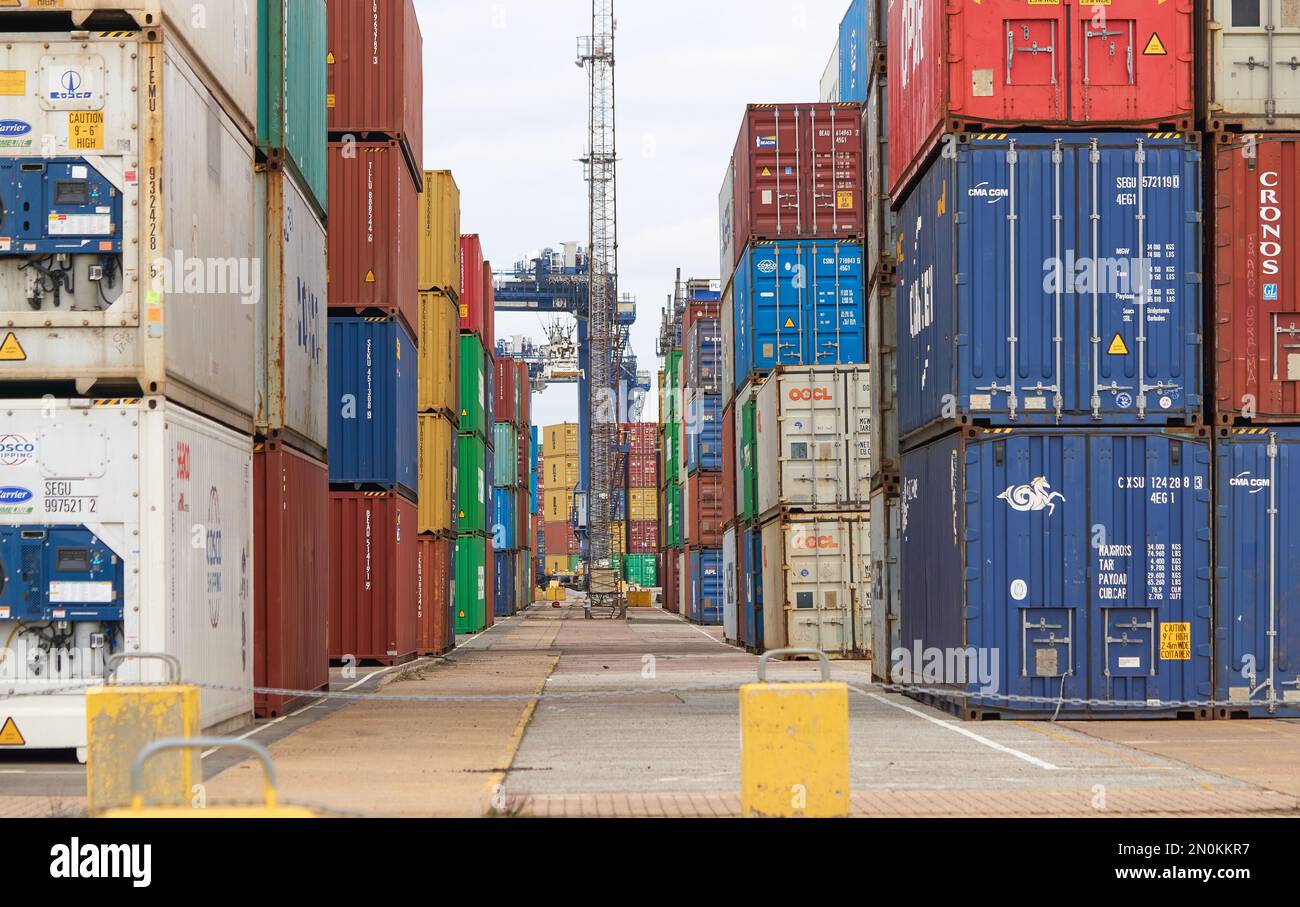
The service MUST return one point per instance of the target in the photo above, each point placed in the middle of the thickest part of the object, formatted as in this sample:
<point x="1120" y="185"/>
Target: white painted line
<point x="958" y="729"/>
<point x="28" y="771"/>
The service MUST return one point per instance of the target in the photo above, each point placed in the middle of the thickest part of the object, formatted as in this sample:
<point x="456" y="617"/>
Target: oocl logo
<point x="15" y="450"/>
<point x="815" y="542"/>
<point x="809" y="394"/>
<point x="70" y="84"/>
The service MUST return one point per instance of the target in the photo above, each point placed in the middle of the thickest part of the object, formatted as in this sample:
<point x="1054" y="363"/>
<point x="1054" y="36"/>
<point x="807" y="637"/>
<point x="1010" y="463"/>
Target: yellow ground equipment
<point x="794" y="745"/>
<point x="268" y="809"/>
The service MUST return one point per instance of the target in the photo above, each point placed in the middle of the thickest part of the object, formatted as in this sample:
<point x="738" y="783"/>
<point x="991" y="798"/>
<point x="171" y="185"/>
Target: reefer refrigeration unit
<point x="1052" y="279"/>
<point x="1058" y="564"/>
<point x="125" y="526"/>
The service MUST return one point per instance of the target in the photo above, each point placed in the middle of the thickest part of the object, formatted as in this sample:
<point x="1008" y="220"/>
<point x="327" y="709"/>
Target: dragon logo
<point x="1037" y="495"/>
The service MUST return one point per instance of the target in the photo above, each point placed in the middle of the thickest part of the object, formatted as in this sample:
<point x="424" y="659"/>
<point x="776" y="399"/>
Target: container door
<point x="773" y="563"/>
<point x="729" y="598"/>
<point x="858" y="408"/>
<point x="1258" y="653"/>
<point x="1132" y="64"/>
<point x="817" y="586"/>
<point x="778" y="203"/>
<point x="860" y="588"/>
<point x="754" y="589"/>
<point x="1140" y="307"/>
<point x="1012" y="62"/>
<point x="834" y="189"/>
<point x="835" y="329"/>
<point x="810" y="434"/>
<point x="780" y="302"/>
<point x="1255" y="60"/>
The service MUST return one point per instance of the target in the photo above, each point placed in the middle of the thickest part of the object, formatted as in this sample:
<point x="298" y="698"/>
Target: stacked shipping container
<point x="558" y="481"/>
<point x="181" y="410"/>
<point x="381" y="568"/>
<point x="637" y="545"/>
<point x="796" y="423"/>
<point x="513" y="457"/>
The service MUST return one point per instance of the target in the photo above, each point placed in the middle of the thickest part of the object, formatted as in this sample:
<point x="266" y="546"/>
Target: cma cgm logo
<point x="913" y="42"/>
<point x="70" y="84"/>
<point x="13" y="128"/>
<point x="806" y="394"/>
<point x="15" y="450"/>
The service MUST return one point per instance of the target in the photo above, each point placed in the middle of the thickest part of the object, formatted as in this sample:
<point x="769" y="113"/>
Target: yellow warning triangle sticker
<point x="11" y="350"/>
<point x="789" y="323"/>
<point x="10" y="736"/>
<point x="766" y="172"/>
<point x="329" y="58"/>
<point x="370" y="277"/>
<point x="1118" y="347"/>
<point x="1155" y="47"/>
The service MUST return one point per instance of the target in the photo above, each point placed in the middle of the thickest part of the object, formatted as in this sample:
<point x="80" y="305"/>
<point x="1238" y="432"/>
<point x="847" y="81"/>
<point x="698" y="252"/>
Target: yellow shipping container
<point x="437" y="439"/>
<point x="560" y="473"/>
<point x="440" y="233"/>
<point x="557" y="565"/>
<point x="560" y="440"/>
<point x="439" y="343"/>
<point x="644" y="504"/>
<point x="559" y="504"/>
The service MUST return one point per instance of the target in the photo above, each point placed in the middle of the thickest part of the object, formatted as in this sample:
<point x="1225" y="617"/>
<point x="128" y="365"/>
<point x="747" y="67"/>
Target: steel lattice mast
<point x="596" y="54"/>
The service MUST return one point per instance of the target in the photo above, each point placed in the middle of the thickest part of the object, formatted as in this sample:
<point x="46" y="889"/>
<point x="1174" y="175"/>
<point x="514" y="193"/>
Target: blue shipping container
<point x="706" y="586"/>
<point x="532" y="471"/>
<point x="1063" y="564"/>
<point x="703" y="432"/>
<point x="797" y="303"/>
<point x="503" y="585"/>
<point x="1015" y="302"/>
<point x="504" y="530"/>
<point x="856" y="53"/>
<point x="703" y="354"/>
<point x="1257" y="575"/>
<point x="373" y="425"/>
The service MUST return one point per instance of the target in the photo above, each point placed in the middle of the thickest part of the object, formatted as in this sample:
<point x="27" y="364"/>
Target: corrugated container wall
<point x="1011" y="335"/>
<point x="798" y="173"/>
<point x="704" y="355"/>
<point x="1257" y="272"/>
<point x="435" y="581"/>
<point x="797" y="303"/>
<point x="1252" y="78"/>
<point x="505" y="391"/>
<point x="439" y="350"/>
<point x="291" y="576"/>
<point x="702" y="510"/>
<point x="1257" y="630"/>
<point x="373" y="236"/>
<point x="292" y="341"/>
<point x="376" y="82"/>
<point x="729" y="598"/>
<point x="703" y="428"/>
<point x="473" y="584"/>
<point x="437" y="489"/>
<point x="373" y="404"/>
<point x="292" y="105"/>
<point x="959" y="65"/>
<point x="881" y="231"/>
<point x="812" y="436"/>
<point x="440" y="233"/>
<point x="472" y="485"/>
<point x="474" y="400"/>
<point x="749" y="603"/>
<point x="856" y="51"/>
<point x="1083" y="558"/>
<point x="373" y="597"/>
<point x="505" y="451"/>
<point x="201" y="207"/>
<point x="886" y="629"/>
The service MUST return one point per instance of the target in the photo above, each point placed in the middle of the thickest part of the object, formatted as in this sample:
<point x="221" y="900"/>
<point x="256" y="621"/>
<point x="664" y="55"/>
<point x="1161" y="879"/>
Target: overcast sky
<point x="505" y="110"/>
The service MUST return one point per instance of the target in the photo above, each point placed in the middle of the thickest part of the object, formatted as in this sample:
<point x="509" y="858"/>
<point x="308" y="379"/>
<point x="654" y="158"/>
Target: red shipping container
<point x="525" y="400"/>
<point x="521" y="520"/>
<point x="696" y="310"/>
<point x="373" y="263"/>
<point x="376" y="75"/>
<point x="643" y="470"/>
<point x="490" y="592"/>
<point x="489" y="307"/>
<point x="372" y="589"/>
<point x="702" y="516"/>
<point x="959" y="65"/>
<point x="435" y="584"/>
<point x="799" y="174"/>
<point x="728" y="465"/>
<point x="1256" y="298"/>
<point x="643" y="536"/>
<point x="291" y="575"/>
<point x="668" y="583"/>
<point x="561" y="540"/>
<point x="471" y="286"/>
<point x="506" y="391"/>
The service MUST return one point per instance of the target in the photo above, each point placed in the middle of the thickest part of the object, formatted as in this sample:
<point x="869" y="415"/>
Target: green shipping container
<point x="672" y="407"/>
<point x="672" y="452"/>
<point x="471" y="583"/>
<point x="641" y="570"/>
<point x="524" y="580"/>
<point x="473" y="387"/>
<point x="505" y="455"/>
<point x="747" y="469"/>
<point x="673" y="516"/>
<point x="291" y="90"/>
<point x="474" y="510"/>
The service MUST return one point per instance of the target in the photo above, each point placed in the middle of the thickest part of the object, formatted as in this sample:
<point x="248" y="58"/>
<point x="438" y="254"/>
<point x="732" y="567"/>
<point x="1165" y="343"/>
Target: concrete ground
<point x="653" y="730"/>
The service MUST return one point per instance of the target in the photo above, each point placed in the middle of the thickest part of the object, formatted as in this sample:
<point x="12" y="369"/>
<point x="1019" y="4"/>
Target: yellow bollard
<point x="268" y="809"/>
<point x="794" y="745"/>
<point x="122" y="719"/>
<point x="640" y="598"/>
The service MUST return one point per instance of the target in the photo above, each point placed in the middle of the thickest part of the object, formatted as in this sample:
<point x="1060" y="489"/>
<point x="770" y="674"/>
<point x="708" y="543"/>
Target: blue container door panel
<point x="503" y="585"/>
<point x="777" y="304"/>
<point x="931" y="565"/>
<point x="838" y="331"/>
<point x="706" y="586"/>
<point x="753" y="589"/>
<point x="704" y="433"/>
<point x="1259" y="571"/>
<point x="503" y="520"/>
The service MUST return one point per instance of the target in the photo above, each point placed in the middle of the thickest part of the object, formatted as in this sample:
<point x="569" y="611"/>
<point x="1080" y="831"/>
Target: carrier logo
<point x="15" y="500"/>
<point x="1037" y="495"/>
<point x="1246" y="480"/>
<point x="70" y="83"/>
<point x="11" y="129"/>
<point x="15" y="450"/>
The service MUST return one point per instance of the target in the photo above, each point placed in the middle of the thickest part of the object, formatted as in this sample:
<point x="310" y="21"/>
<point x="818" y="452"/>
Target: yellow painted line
<point x="1105" y="752"/>
<point x="498" y="776"/>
